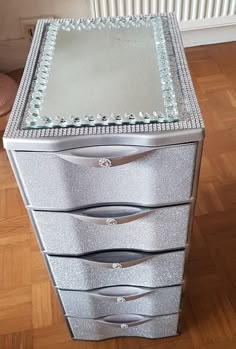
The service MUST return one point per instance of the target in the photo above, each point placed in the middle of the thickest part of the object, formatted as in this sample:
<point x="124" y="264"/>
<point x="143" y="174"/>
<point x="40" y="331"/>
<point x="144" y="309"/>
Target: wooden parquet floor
<point x="30" y="316"/>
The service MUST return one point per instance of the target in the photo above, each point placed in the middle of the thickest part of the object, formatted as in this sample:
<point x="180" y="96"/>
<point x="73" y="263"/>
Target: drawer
<point x="117" y="268"/>
<point x="76" y="178"/>
<point x="124" y="325"/>
<point x="112" y="227"/>
<point x="121" y="300"/>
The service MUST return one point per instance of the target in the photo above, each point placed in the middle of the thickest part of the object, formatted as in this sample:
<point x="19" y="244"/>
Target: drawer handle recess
<point x="93" y="215"/>
<point x="104" y="156"/>
<point x="123" y="298"/>
<point x="132" y="297"/>
<point x="124" y="325"/>
<point x="117" y="266"/>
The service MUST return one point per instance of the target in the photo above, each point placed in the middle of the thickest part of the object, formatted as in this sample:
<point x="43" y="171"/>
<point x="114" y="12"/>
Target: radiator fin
<point x="185" y="10"/>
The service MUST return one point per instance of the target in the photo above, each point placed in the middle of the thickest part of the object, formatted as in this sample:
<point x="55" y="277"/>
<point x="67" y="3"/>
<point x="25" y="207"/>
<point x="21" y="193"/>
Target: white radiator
<point x="201" y="21"/>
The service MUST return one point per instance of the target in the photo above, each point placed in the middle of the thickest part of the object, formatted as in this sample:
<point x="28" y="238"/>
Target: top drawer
<point x="106" y="174"/>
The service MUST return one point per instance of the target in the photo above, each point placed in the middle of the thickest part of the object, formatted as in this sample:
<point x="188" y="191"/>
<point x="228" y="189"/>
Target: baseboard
<point x="207" y="36"/>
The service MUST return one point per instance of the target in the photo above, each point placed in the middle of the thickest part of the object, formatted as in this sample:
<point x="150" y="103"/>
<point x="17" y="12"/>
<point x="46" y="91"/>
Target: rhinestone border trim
<point x="171" y="31"/>
<point x="32" y="117"/>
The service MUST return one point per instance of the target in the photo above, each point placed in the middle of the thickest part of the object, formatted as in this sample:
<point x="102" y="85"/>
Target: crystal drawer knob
<point x="116" y="266"/>
<point x="124" y="326"/>
<point x="111" y="221"/>
<point x="105" y="162"/>
<point x="120" y="299"/>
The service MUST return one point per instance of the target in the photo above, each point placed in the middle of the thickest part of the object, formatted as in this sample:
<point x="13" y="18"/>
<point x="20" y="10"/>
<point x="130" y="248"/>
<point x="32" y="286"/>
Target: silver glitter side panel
<point x="156" y="327"/>
<point x="64" y="233"/>
<point x="90" y="305"/>
<point x="79" y="274"/>
<point x="160" y="177"/>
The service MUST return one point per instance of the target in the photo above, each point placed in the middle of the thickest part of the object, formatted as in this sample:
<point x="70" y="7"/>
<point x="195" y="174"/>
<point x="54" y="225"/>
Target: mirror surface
<point x="104" y="71"/>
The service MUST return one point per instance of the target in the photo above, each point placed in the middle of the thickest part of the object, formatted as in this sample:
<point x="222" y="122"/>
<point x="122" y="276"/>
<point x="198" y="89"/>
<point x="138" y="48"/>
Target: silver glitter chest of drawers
<point x="105" y="140"/>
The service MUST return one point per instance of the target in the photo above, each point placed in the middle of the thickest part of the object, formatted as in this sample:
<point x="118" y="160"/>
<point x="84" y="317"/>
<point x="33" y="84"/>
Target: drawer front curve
<point x="158" y="270"/>
<point x="67" y="233"/>
<point x="156" y="178"/>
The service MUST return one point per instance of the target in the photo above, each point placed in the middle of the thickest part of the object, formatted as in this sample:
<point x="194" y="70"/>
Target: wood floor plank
<point x="18" y="340"/>
<point x="41" y="304"/>
<point x="15" y="268"/>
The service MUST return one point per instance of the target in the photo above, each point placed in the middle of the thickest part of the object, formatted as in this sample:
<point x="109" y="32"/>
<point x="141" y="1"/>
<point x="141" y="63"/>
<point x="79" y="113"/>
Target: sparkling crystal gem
<point x="35" y="103"/>
<point x="46" y="64"/>
<point x="124" y="326"/>
<point x="72" y="26"/>
<point x="116" y="266"/>
<point x="32" y="124"/>
<point x="117" y="118"/>
<point x="47" y="57"/>
<point x="147" y="116"/>
<point x="90" y="118"/>
<point x="173" y="114"/>
<point x="29" y="119"/>
<point x="120" y="299"/>
<point x="43" y="76"/>
<point x="105" y="162"/>
<point x="37" y="95"/>
<point x="76" y="121"/>
<point x="170" y="106"/>
<point x="48" y="121"/>
<point x="131" y="117"/>
<point x="49" y="48"/>
<point x="103" y="118"/>
<point x="161" y="117"/>
<point x="40" y="87"/>
<point x="167" y="87"/>
<point x="34" y="113"/>
<point x="63" y="122"/>
<point x="42" y="81"/>
<point x="111" y="221"/>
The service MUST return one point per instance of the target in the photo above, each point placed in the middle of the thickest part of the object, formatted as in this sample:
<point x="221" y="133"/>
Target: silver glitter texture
<point x="66" y="186"/>
<point x="159" y="301"/>
<point x="156" y="327"/>
<point x="63" y="233"/>
<point x="160" y="270"/>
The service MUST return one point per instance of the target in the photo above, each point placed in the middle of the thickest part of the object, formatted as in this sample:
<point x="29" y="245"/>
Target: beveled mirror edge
<point x="32" y="116"/>
<point x="15" y="138"/>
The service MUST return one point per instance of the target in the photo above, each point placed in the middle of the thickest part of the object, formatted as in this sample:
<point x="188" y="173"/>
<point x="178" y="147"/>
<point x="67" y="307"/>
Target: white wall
<point x="13" y="46"/>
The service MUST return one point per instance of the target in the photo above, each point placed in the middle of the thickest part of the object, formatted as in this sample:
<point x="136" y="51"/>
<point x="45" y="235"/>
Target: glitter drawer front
<point x="116" y="227"/>
<point x="117" y="268"/>
<point x="121" y="300"/>
<point x="129" y="325"/>
<point x="93" y="176"/>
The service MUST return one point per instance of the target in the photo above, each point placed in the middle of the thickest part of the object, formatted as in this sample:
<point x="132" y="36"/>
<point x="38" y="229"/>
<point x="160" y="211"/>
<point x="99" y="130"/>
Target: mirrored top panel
<point x="103" y="72"/>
